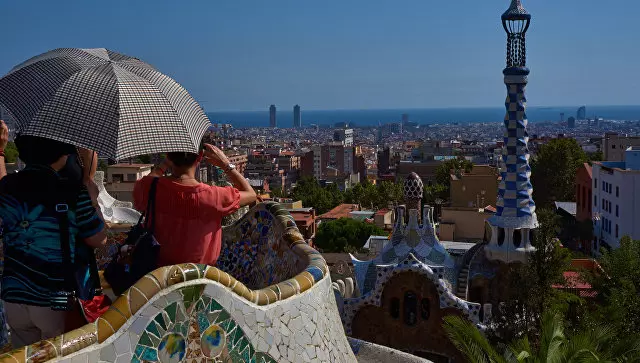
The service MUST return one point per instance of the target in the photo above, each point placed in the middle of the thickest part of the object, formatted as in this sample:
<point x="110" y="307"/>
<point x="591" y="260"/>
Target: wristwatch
<point x="229" y="167"/>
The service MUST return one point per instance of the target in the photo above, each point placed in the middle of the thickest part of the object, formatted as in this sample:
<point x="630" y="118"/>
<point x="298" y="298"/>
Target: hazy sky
<point x="245" y="55"/>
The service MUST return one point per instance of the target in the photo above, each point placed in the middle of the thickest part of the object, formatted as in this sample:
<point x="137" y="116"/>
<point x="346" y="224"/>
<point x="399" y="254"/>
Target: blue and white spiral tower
<point x="515" y="217"/>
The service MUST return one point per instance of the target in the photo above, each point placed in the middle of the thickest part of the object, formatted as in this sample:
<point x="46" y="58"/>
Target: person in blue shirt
<point x="34" y="272"/>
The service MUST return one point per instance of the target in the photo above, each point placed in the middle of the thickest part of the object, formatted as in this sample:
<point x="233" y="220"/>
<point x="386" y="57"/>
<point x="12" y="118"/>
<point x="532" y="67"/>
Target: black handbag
<point x="141" y="257"/>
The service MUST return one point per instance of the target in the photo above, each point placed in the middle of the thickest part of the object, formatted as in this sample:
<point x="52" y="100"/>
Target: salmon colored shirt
<point x="188" y="219"/>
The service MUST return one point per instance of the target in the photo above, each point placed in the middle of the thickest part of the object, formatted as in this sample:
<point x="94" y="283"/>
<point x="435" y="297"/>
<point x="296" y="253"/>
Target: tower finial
<point x="515" y="22"/>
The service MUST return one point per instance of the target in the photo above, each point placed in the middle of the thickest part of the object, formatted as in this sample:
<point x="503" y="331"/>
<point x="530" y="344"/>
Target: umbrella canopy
<point x="98" y="99"/>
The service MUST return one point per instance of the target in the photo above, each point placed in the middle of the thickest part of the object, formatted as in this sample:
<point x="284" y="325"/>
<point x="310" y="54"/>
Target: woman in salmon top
<point x="189" y="213"/>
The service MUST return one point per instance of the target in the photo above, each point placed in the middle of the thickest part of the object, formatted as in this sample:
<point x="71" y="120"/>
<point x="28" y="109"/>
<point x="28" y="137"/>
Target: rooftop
<point x="569" y="207"/>
<point x="133" y="166"/>
<point x="341" y="211"/>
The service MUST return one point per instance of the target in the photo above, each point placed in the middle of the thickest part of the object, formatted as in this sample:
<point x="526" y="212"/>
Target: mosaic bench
<point x="269" y="299"/>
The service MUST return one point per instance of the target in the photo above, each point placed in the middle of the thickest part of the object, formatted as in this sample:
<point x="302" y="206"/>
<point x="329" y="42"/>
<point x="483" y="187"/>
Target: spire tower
<point x="515" y="217"/>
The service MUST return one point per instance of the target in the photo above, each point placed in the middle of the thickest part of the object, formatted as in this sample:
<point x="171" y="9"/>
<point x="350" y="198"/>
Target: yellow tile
<point x="190" y="271"/>
<point x="305" y="280"/>
<point x="104" y="330"/>
<point x="262" y="298"/>
<point x="161" y="275"/>
<point x="122" y="304"/>
<point x="286" y="290"/>
<point x="148" y="286"/>
<point x="136" y="300"/>
<point x="213" y="274"/>
<point x="114" y="318"/>
<point x="15" y="356"/>
<point x="225" y="279"/>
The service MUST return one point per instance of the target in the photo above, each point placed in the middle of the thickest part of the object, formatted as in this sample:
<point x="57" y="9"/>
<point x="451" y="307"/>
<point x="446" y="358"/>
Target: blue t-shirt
<point x="33" y="268"/>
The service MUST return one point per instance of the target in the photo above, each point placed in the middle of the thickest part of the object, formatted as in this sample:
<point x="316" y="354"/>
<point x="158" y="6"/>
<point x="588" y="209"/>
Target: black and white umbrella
<point x="98" y="99"/>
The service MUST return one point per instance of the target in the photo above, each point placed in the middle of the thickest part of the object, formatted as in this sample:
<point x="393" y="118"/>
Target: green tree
<point x="553" y="171"/>
<point x="389" y="192"/>
<point x="313" y="195"/>
<point x="457" y="165"/>
<point x="554" y="345"/>
<point x="11" y="152"/>
<point x="434" y="192"/>
<point x="345" y="234"/>
<point x="619" y="287"/>
<point x="595" y="156"/>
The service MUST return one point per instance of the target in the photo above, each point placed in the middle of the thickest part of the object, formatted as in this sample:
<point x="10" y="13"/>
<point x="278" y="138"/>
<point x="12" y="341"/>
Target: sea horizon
<point x="373" y="117"/>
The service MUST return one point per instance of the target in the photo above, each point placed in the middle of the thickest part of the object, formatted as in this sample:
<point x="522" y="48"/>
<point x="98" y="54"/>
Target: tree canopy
<point x="313" y="195"/>
<point x="619" y="287"/>
<point x="553" y="171"/>
<point x="345" y="235"/>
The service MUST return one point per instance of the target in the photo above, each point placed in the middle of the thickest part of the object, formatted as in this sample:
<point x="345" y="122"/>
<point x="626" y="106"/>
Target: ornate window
<point x="517" y="237"/>
<point x="425" y="309"/>
<point x="410" y="308"/>
<point x="394" y="309"/>
<point x="500" y="236"/>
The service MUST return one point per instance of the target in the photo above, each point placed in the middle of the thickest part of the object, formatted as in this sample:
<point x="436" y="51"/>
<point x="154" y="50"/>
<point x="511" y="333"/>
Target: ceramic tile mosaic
<point x="251" y="248"/>
<point x="434" y="273"/>
<point x="420" y="240"/>
<point x="192" y="312"/>
<point x="195" y="329"/>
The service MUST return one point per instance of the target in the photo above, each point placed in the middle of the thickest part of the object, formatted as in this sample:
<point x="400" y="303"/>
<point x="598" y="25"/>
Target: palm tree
<point x="597" y="345"/>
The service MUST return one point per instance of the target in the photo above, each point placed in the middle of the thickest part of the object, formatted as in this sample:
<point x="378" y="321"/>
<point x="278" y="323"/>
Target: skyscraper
<point x="571" y="122"/>
<point x="297" y="117"/>
<point x="405" y="118"/>
<point x="582" y="113"/>
<point x="272" y="116"/>
<point x="515" y="215"/>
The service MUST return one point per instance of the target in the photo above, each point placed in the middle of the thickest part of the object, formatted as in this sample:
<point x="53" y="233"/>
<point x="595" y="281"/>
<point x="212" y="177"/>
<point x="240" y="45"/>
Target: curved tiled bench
<point x="294" y="319"/>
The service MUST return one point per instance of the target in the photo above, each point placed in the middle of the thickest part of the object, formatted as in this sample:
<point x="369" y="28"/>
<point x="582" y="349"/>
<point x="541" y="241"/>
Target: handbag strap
<point x="62" y="210"/>
<point x="151" y="205"/>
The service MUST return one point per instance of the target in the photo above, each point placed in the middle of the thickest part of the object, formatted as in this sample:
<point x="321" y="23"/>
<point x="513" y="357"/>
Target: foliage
<point x="553" y="171"/>
<point x="144" y="159"/>
<point x="102" y="166"/>
<point x="530" y="289"/>
<point x="11" y="152"/>
<point x="457" y="165"/>
<point x="313" y="195"/>
<point x="554" y="345"/>
<point x="345" y="235"/>
<point x="595" y="156"/>
<point x="618" y="288"/>
<point x="435" y="191"/>
<point x="375" y="196"/>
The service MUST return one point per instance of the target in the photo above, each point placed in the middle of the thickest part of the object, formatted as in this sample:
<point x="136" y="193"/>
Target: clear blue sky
<point x="245" y="55"/>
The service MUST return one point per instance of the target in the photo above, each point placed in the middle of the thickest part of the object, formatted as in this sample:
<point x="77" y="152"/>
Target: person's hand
<point x="4" y="135"/>
<point x="215" y="156"/>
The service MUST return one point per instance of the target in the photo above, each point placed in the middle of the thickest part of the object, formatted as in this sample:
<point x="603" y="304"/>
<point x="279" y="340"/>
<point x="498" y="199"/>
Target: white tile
<point x="122" y="344"/>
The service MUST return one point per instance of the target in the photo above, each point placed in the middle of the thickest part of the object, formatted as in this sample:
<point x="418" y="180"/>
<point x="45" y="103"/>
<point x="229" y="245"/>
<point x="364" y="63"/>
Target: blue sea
<point x="362" y="118"/>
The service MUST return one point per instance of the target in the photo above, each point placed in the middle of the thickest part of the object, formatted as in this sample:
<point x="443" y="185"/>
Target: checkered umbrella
<point x="98" y="99"/>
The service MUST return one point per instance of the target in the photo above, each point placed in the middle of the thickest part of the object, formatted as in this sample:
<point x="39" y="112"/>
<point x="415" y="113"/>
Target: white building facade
<point x="616" y="199"/>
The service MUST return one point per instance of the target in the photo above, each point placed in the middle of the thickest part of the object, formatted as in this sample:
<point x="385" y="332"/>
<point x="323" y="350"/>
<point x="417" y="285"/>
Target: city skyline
<point x="346" y="56"/>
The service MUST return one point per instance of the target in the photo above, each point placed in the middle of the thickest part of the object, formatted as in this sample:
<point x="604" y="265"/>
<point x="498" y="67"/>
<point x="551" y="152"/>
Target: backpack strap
<point x="150" y="221"/>
<point x="62" y="209"/>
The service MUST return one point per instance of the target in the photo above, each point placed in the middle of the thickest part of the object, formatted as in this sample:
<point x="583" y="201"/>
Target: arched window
<point x="517" y="237"/>
<point x="394" y="309"/>
<point x="410" y="308"/>
<point x="425" y="309"/>
<point x="532" y="236"/>
<point x="500" y="236"/>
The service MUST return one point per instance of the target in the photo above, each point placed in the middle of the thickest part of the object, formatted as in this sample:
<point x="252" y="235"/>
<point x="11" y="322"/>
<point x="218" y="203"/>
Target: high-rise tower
<point x="297" y="117"/>
<point x="515" y="217"/>
<point x="272" y="116"/>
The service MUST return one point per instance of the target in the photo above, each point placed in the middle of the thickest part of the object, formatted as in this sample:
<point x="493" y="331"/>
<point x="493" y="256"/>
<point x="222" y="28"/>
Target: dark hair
<point x="40" y="150"/>
<point x="182" y="159"/>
